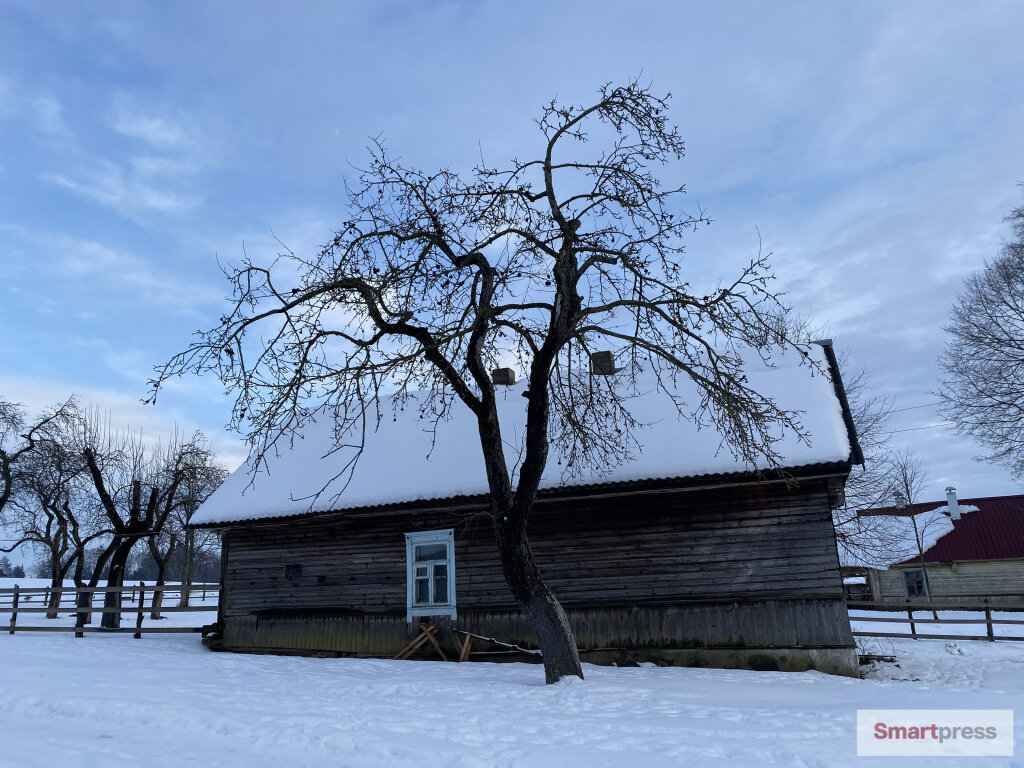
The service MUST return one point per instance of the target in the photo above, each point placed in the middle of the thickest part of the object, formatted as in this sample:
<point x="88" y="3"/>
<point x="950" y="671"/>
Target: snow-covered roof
<point x="403" y="462"/>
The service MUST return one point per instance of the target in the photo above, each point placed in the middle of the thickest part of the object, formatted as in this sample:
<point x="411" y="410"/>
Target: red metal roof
<point x="995" y="531"/>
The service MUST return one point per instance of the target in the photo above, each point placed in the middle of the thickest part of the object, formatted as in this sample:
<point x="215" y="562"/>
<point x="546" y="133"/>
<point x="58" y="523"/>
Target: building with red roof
<point x="970" y="550"/>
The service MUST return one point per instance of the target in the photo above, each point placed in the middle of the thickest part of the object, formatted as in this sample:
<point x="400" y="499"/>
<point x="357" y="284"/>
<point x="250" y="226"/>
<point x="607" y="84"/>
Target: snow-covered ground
<point x="165" y="700"/>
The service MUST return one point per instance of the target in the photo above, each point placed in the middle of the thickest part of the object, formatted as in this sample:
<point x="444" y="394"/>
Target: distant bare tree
<point x="869" y="540"/>
<point x="911" y="478"/>
<point x="984" y="357"/>
<point x="196" y="488"/>
<point x="18" y="438"/>
<point x="436" y="278"/>
<point x="49" y="509"/>
<point x="137" y="490"/>
<point x="43" y="495"/>
<point x="201" y="479"/>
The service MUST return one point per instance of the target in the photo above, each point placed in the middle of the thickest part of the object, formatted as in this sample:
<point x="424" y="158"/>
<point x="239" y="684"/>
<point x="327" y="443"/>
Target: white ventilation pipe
<point x="951" y="502"/>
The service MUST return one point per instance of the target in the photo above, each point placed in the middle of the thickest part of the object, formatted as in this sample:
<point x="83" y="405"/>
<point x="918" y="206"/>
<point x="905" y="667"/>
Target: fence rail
<point x="988" y="621"/>
<point x="11" y="601"/>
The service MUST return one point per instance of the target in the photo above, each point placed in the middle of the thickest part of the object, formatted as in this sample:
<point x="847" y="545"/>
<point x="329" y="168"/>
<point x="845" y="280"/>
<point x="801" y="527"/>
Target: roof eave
<point x="545" y="495"/>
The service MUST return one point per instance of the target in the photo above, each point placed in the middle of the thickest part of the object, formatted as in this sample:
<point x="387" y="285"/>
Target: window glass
<point x="422" y="591"/>
<point x="426" y="552"/>
<point x="441" y="583"/>
<point x="913" y="579"/>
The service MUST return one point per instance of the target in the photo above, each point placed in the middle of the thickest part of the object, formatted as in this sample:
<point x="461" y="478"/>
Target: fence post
<point x="204" y="590"/>
<point x="14" y="608"/>
<point x="142" y="605"/>
<point x="988" y="625"/>
<point x="913" y="627"/>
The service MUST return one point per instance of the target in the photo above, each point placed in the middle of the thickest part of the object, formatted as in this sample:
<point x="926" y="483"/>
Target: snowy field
<point x="164" y="700"/>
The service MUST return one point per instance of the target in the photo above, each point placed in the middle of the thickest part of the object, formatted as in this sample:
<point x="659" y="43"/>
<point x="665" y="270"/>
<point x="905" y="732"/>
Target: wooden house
<point x="682" y="555"/>
<point x="972" y="551"/>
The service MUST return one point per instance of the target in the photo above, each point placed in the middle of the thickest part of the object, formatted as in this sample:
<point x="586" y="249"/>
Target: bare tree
<point x="136" y="487"/>
<point x="202" y="477"/>
<point x="196" y="488"/>
<point x="436" y="278"/>
<point x="870" y="540"/>
<point x="18" y="438"/>
<point x="910" y="479"/>
<point x="984" y="357"/>
<point x="43" y="500"/>
<point x="48" y="509"/>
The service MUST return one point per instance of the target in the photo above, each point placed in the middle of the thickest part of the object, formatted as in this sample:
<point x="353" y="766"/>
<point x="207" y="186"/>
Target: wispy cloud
<point x="158" y="130"/>
<point x="125" y="409"/>
<point x="80" y="260"/>
<point x="49" y="117"/>
<point x="128" y="192"/>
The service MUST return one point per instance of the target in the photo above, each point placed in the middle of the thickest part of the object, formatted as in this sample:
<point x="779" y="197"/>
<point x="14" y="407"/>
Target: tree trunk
<point x="187" y="567"/>
<point x="82" y="599"/>
<point x="158" y="592"/>
<point x="56" y="582"/>
<point x="540" y="606"/>
<point x="115" y="578"/>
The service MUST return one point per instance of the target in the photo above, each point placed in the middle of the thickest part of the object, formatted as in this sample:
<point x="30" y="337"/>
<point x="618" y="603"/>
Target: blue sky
<point x="873" y="147"/>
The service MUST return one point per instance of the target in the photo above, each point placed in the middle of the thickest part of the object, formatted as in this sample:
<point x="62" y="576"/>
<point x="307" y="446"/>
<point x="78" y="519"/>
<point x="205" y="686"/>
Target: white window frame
<point x="419" y="538"/>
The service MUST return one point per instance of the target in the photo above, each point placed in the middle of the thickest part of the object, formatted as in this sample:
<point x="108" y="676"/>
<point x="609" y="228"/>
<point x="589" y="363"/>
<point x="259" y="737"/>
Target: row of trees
<point x="142" y="566"/>
<point x="85" y="495"/>
<point x="9" y="571"/>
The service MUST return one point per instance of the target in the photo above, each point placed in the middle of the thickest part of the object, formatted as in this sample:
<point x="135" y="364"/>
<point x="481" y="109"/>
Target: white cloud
<point x="49" y="117"/>
<point x="126" y="412"/>
<point x="126" y="193"/>
<point x="162" y="131"/>
<point x="92" y="263"/>
<point x="154" y="130"/>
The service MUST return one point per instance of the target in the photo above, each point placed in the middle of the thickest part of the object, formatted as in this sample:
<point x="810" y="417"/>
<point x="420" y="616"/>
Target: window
<point x="430" y="573"/>
<point x="913" y="580"/>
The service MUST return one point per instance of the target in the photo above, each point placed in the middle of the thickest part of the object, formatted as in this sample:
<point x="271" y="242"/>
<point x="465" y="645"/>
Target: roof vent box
<point x="504" y="377"/>
<point x="602" y="363"/>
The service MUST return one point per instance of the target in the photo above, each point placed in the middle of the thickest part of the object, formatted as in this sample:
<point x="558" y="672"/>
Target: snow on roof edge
<point x="672" y="449"/>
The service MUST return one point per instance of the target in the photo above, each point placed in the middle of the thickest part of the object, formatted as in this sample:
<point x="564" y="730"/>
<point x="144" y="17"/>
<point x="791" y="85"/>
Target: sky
<point x="873" y="148"/>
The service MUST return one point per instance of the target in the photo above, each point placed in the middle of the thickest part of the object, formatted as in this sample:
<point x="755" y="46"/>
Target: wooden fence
<point x="15" y="600"/>
<point x="909" y="608"/>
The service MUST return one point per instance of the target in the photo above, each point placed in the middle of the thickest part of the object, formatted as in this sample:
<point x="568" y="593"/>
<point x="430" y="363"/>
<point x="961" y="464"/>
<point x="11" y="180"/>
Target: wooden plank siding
<point x="733" y="567"/>
<point x="971" y="581"/>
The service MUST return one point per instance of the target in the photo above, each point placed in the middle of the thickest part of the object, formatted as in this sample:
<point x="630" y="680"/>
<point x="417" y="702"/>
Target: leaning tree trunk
<point x="539" y="605"/>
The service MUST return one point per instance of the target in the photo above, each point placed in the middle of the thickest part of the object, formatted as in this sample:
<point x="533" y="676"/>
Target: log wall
<point x="728" y="568"/>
